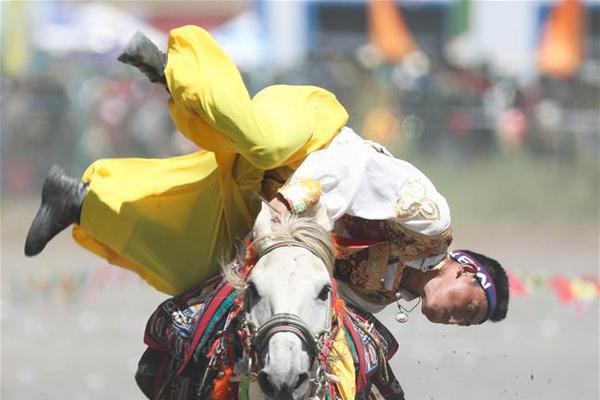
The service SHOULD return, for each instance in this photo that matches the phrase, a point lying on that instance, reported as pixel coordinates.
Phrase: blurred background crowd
(498, 102)
(461, 80)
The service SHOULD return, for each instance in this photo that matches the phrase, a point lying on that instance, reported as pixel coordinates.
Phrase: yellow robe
(171, 220)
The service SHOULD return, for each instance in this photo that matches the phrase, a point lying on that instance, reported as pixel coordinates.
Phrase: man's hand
(278, 208)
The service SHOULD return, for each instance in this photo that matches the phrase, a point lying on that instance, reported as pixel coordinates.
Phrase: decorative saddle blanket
(181, 336)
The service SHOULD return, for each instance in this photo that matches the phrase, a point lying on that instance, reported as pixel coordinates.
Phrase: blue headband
(483, 277)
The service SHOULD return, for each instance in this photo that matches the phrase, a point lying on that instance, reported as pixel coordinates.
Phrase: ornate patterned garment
(387, 214)
(374, 270)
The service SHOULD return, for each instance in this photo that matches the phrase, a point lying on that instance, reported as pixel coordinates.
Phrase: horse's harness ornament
(402, 315)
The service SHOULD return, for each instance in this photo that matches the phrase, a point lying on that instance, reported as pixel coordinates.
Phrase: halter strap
(290, 243)
(285, 322)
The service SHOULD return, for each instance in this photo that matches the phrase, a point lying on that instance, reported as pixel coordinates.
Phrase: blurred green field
(505, 190)
(508, 190)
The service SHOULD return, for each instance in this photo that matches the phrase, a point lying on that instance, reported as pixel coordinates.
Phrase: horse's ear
(264, 220)
(319, 213)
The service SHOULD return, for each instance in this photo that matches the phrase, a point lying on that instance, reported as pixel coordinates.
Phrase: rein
(285, 322)
(289, 243)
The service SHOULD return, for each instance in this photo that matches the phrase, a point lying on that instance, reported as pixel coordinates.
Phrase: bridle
(319, 344)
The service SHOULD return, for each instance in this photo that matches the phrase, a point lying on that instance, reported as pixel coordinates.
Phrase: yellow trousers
(171, 220)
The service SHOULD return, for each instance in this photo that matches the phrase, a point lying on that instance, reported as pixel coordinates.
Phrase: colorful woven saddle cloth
(372, 346)
(179, 335)
(370, 335)
(182, 331)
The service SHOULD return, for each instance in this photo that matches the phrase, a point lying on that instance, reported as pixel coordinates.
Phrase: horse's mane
(290, 228)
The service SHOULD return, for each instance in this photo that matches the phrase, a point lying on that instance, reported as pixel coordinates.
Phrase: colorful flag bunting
(459, 17)
(16, 52)
(515, 285)
(388, 31)
(561, 46)
(85, 284)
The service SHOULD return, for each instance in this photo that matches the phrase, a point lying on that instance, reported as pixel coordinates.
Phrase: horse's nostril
(265, 384)
(303, 377)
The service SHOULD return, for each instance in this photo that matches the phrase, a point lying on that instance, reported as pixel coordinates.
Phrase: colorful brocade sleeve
(301, 194)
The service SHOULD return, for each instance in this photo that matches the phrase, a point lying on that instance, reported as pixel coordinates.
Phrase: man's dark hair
(500, 281)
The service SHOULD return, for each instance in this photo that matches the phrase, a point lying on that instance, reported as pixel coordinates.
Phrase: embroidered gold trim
(365, 270)
(421, 246)
(302, 193)
(412, 200)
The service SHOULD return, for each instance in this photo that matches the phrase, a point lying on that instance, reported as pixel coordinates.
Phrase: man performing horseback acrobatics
(171, 220)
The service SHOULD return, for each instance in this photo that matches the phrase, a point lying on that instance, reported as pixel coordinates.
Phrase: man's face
(455, 296)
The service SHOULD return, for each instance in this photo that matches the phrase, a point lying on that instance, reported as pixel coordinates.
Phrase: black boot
(61, 206)
(143, 54)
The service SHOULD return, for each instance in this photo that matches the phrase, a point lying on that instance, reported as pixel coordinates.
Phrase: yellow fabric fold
(341, 364)
(170, 220)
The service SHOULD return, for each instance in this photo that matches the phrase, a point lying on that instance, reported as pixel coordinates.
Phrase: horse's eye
(324, 293)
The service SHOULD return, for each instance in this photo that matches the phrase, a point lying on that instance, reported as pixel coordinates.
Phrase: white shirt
(361, 178)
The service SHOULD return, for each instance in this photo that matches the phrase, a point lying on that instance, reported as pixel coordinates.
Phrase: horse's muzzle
(292, 387)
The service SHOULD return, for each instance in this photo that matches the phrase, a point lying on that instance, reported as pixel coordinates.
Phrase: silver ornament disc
(401, 317)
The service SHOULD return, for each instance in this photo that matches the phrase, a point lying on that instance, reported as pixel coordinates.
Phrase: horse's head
(288, 303)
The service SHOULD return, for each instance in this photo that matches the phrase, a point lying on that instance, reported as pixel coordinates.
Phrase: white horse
(268, 330)
(288, 302)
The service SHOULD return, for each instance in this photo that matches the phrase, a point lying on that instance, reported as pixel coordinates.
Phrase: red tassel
(339, 306)
(222, 385)
(250, 259)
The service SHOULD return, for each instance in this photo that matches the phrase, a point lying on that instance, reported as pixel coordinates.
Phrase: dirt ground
(88, 347)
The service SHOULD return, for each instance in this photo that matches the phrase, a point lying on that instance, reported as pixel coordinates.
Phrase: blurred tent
(241, 39)
(99, 28)
(67, 28)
